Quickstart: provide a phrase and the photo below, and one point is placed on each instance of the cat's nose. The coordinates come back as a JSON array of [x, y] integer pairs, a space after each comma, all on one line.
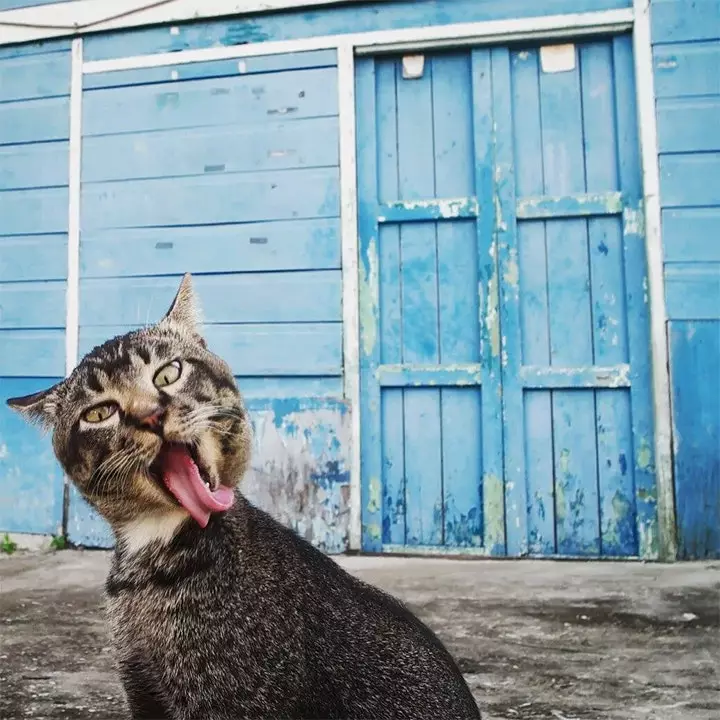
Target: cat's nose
[[147, 416]]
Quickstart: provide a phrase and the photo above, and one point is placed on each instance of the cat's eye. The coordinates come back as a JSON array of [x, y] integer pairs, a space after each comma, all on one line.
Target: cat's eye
[[168, 374], [100, 412]]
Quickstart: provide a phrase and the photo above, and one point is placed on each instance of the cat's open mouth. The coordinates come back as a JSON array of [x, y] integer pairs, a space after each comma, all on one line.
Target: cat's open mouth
[[179, 468]]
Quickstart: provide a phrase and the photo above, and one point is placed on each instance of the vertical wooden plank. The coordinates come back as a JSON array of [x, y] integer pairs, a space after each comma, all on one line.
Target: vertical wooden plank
[[516, 500], [694, 350], [493, 495], [393, 426], [638, 316], [613, 423], [531, 410], [575, 452], [457, 300], [393, 467], [419, 297], [370, 417]]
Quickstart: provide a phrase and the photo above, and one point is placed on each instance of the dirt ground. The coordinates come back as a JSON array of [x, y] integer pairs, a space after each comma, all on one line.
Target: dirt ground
[[535, 639]]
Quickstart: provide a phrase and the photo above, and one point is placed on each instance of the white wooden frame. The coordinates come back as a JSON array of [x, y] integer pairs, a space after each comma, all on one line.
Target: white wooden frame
[[647, 118], [347, 46], [72, 302]]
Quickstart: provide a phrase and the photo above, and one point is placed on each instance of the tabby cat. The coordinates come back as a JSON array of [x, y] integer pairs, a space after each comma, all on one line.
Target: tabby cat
[[216, 611]]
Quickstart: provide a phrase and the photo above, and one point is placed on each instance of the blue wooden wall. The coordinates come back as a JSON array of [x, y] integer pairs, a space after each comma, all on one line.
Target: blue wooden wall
[[34, 125], [229, 170], [686, 38]]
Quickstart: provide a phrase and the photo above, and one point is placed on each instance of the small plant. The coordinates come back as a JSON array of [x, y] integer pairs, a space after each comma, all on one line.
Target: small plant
[[7, 545], [58, 542]]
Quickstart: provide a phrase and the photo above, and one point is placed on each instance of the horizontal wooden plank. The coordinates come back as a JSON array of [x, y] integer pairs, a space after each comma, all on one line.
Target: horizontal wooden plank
[[284, 245], [689, 124], [212, 199], [677, 21], [32, 305], [216, 101], [34, 166], [429, 375], [290, 387], [682, 70], [31, 479], [692, 291], [276, 145], [34, 76], [35, 120], [569, 378], [690, 180], [691, 234], [33, 257], [302, 349], [34, 212], [32, 353], [212, 69], [434, 209], [311, 296], [35, 48], [569, 206], [349, 17]]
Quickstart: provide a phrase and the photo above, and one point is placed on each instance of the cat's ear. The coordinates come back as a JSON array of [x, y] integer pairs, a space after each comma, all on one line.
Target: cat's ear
[[39, 408], [183, 310]]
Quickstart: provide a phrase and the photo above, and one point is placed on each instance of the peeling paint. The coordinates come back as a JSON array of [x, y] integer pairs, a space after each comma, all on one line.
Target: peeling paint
[[634, 221], [299, 469], [564, 461], [369, 299], [375, 495], [512, 271], [494, 513], [491, 315], [644, 455]]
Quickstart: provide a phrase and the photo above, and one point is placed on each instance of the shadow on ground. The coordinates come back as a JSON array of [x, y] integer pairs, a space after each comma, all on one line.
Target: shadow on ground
[[535, 639]]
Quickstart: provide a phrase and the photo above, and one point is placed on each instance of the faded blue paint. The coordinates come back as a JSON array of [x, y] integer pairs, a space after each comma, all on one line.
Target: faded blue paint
[[686, 53], [315, 22]]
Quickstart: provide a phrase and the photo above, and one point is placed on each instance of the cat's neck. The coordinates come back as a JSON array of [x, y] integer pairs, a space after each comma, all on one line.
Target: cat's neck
[[157, 530]]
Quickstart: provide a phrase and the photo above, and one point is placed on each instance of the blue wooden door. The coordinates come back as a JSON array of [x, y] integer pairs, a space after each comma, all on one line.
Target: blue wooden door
[[504, 321]]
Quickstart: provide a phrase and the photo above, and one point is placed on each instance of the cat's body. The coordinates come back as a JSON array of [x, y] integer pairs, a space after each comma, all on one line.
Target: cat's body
[[245, 619], [217, 612]]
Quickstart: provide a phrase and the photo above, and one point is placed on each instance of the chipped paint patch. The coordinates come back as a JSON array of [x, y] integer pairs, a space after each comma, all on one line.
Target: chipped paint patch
[[375, 495], [634, 221], [433, 209], [492, 320], [644, 455], [369, 299], [494, 514], [299, 471]]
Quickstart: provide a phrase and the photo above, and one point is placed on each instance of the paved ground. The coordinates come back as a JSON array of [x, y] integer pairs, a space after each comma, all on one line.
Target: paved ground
[[555, 640]]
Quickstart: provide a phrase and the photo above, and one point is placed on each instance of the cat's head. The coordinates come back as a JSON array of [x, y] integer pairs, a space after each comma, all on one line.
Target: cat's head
[[149, 423]]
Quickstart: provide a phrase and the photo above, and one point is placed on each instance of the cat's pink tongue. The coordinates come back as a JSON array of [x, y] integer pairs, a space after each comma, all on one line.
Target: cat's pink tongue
[[182, 479]]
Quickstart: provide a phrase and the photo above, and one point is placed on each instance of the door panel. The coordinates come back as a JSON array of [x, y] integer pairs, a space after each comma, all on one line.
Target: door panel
[[423, 451]]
